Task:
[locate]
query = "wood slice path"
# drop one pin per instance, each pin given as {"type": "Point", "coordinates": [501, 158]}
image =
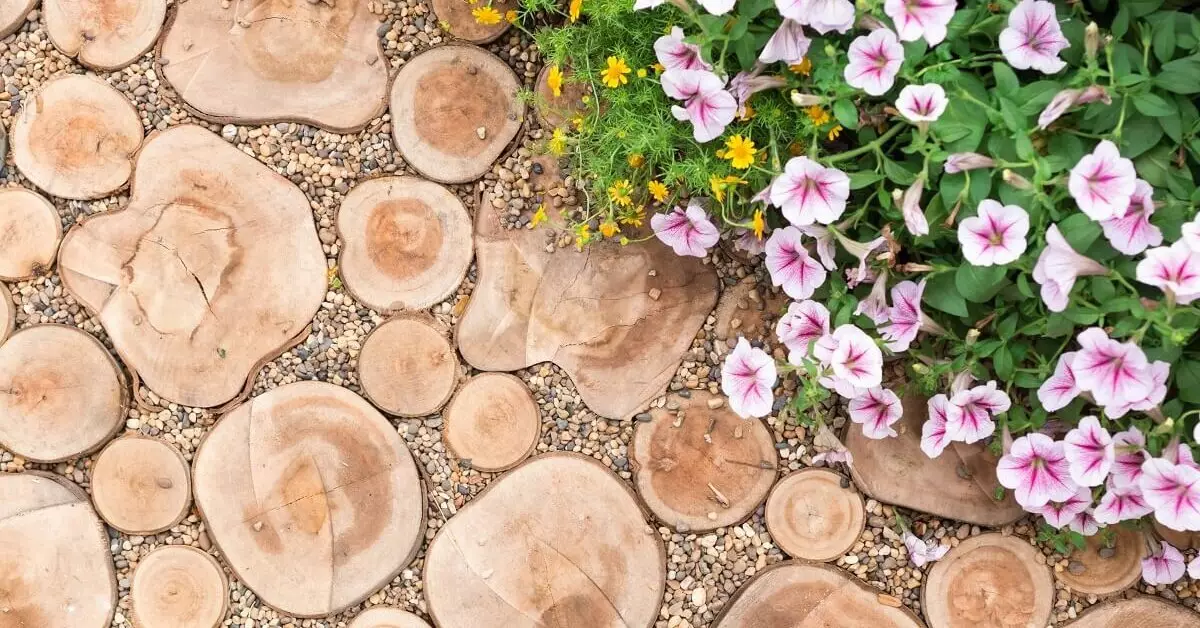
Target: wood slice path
{"type": "Point", "coordinates": [141, 485]}
{"type": "Point", "coordinates": [8, 314]}
{"type": "Point", "coordinates": [13, 14]}
{"type": "Point", "coordinates": [177, 586]}
{"type": "Point", "coordinates": [989, 581]}
{"type": "Point", "coordinates": [1100, 570]}
{"type": "Point", "coordinates": [812, 516]}
{"type": "Point", "coordinates": [493, 422]}
{"type": "Point", "coordinates": [407, 366]}
{"type": "Point", "coordinates": [461, 23]}
{"type": "Point", "coordinates": [386, 617]}
{"type": "Point", "coordinates": [1142, 611]}
{"type": "Point", "coordinates": [104, 34]}
{"type": "Point", "coordinates": [30, 231]}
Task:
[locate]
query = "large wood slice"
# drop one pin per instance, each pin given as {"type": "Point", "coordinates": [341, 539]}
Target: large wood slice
{"type": "Point", "coordinates": [386, 617]}
{"type": "Point", "coordinates": [558, 542]}
{"type": "Point", "coordinates": [454, 110]}
{"type": "Point", "coordinates": [406, 243]}
{"type": "Point", "coordinates": [456, 17]}
{"type": "Point", "coordinates": [55, 569]}
{"type": "Point", "coordinates": [989, 581]}
{"type": "Point", "coordinates": [178, 586]}
{"type": "Point", "coordinates": [1100, 570]}
{"type": "Point", "coordinates": [557, 111]}
{"type": "Point", "coordinates": [30, 230]}
{"type": "Point", "coordinates": [76, 137]}
{"type": "Point", "coordinates": [13, 14]}
{"type": "Point", "coordinates": [61, 394]}
{"type": "Point", "coordinates": [617, 318]}
{"type": "Point", "coordinates": [492, 421]}
{"type": "Point", "coordinates": [141, 485]}
{"type": "Point", "coordinates": [407, 366]}
{"type": "Point", "coordinates": [896, 471]}
{"type": "Point", "coordinates": [8, 314]}
{"type": "Point", "coordinates": [104, 34]}
{"type": "Point", "coordinates": [258, 61]}
{"type": "Point", "coordinates": [1142, 611]}
{"type": "Point", "coordinates": [212, 268]}
{"type": "Point", "coordinates": [810, 515]}
{"type": "Point", "coordinates": [1180, 539]}
{"type": "Point", "coordinates": [700, 468]}
{"type": "Point", "coordinates": [802, 595]}
{"type": "Point", "coordinates": [311, 496]}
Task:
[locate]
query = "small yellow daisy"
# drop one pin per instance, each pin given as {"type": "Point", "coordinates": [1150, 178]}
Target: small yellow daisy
{"type": "Point", "coordinates": [636, 160]}
{"type": "Point", "coordinates": [817, 115]}
{"type": "Point", "coordinates": [486, 15]}
{"type": "Point", "coordinates": [740, 152]}
{"type": "Point", "coordinates": [634, 216]}
{"type": "Point", "coordinates": [609, 228]}
{"type": "Point", "coordinates": [510, 16]}
{"type": "Point", "coordinates": [583, 235]}
{"type": "Point", "coordinates": [835, 132]}
{"type": "Point", "coordinates": [619, 191]}
{"type": "Point", "coordinates": [720, 184]}
{"type": "Point", "coordinates": [554, 80]}
{"type": "Point", "coordinates": [658, 191]}
{"type": "Point", "coordinates": [558, 142]}
{"type": "Point", "coordinates": [613, 76]}
{"type": "Point", "coordinates": [804, 68]}
{"type": "Point", "coordinates": [641, 72]}
{"type": "Point", "coordinates": [539, 216]}
{"type": "Point", "coordinates": [758, 224]}
{"type": "Point", "coordinates": [574, 9]}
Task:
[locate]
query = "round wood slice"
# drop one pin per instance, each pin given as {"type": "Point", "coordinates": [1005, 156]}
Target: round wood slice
{"type": "Point", "coordinates": [177, 586]}
{"type": "Point", "coordinates": [386, 617]}
{"type": "Point", "coordinates": [55, 568]}
{"type": "Point", "coordinates": [442, 99]}
{"type": "Point", "coordinates": [104, 34]}
{"type": "Point", "coordinates": [1117, 569]}
{"type": "Point", "coordinates": [557, 111]}
{"type": "Point", "coordinates": [141, 485]}
{"type": "Point", "coordinates": [1142, 611]}
{"type": "Point", "coordinates": [30, 231]}
{"type": "Point", "coordinates": [66, 396]}
{"type": "Point", "coordinates": [407, 367]}
{"type": "Point", "coordinates": [76, 138]}
{"type": "Point", "coordinates": [1181, 540]}
{"type": "Point", "coordinates": [558, 542]}
{"type": "Point", "coordinates": [8, 314]}
{"type": "Point", "coordinates": [492, 421]}
{"type": "Point", "coordinates": [988, 581]}
{"type": "Point", "coordinates": [457, 18]}
{"type": "Point", "coordinates": [710, 471]}
{"type": "Point", "coordinates": [406, 243]}
{"type": "Point", "coordinates": [312, 497]}
{"type": "Point", "coordinates": [811, 516]}
{"type": "Point", "coordinates": [13, 14]}
{"type": "Point", "coordinates": [795, 594]}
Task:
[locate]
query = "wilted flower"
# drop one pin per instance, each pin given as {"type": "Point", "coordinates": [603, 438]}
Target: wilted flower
{"type": "Point", "coordinates": [825, 248]}
{"type": "Point", "coordinates": [788, 44]}
{"type": "Point", "coordinates": [1091, 40]}
{"type": "Point", "coordinates": [1174, 269]}
{"type": "Point", "coordinates": [808, 192]}
{"type": "Point", "coordinates": [922, 103]}
{"type": "Point", "coordinates": [1036, 470]}
{"type": "Point", "coordinates": [875, 305]}
{"type": "Point", "coordinates": [1133, 233]}
{"type": "Point", "coordinates": [1173, 491]}
{"type": "Point", "coordinates": [1164, 567]}
{"type": "Point", "coordinates": [790, 265]}
{"type": "Point", "coordinates": [1103, 182]}
{"type": "Point", "coordinates": [1060, 389]}
{"type": "Point", "coordinates": [995, 235]}
{"type": "Point", "coordinates": [1090, 452]}
{"type": "Point", "coordinates": [805, 100]}
{"type": "Point", "coordinates": [822, 15]}
{"type": "Point", "coordinates": [905, 318]}
{"type": "Point", "coordinates": [1067, 98]}
{"type": "Point", "coordinates": [874, 61]}
{"type": "Point", "coordinates": [1034, 38]}
{"type": "Point", "coordinates": [910, 207]}
{"type": "Point", "coordinates": [860, 250]}
{"type": "Point", "coordinates": [747, 377]}
{"type": "Point", "coordinates": [876, 410]}
{"type": "Point", "coordinates": [915, 19]}
{"type": "Point", "coordinates": [1057, 268]}
{"type": "Point", "coordinates": [688, 232]}
{"type": "Point", "coordinates": [746, 84]}
{"type": "Point", "coordinates": [676, 54]}
{"type": "Point", "coordinates": [920, 552]}
{"type": "Point", "coordinates": [961, 162]}
{"type": "Point", "coordinates": [804, 323]}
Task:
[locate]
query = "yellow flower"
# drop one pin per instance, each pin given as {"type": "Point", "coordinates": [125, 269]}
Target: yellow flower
{"type": "Point", "coordinates": [577, 121]}
{"type": "Point", "coordinates": [740, 152]}
{"type": "Point", "coordinates": [634, 216]}
{"type": "Point", "coordinates": [758, 224]}
{"type": "Point", "coordinates": [573, 10]}
{"type": "Point", "coordinates": [658, 191]}
{"type": "Point", "coordinates": [558, 142]}
{"type": "Point", "coordinates": [583, 235]}
{"type": "Point", "coordinates": [486, 15]}
{"type": "Point", "coordinates": [619, 191]}
{"type": "Point", "coordinates": [641, 72]}
{"type": "Point", "coordinates": [510, 16]}
{"type": "Point", "coordinates": [720, 184]}
{"type": "Point", "coordinates": [636, 160]}
{"type": "Point", "coordinates": [818, 115]}
{"type": "Point", "coordinates": [659, 68]}
{"type": "Point", "coordinates": [747, 112]}
{"type": "Point", "coordinates": [835, 132]}
{"type": "Point", "coordinates": [539, 216]}
{"type": "Point", "coordinates": [614, 75]}
{"type": "Point", "coordinates": [554, 81]}
{"type": "Point", "coordinates": [609, 228]}
{"type": "Point", "coordinates": [803, 68]}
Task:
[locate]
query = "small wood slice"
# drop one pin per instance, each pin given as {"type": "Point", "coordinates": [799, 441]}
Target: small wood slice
{"type": "Point", "coordinates": [407, 367]}
{"type": "Point", "coordinates": [13, 14]}
{"type": "Point", "coordinates": [443, 100]}
{"type": "Point", "coordinates": [178, 587]}
{"type": "Point", "coordinates": [104, 34]}
{"type": "Point", "coordinates": [55, 567]}
{"type": "Point", "coordinates": [386, 617]}
{"type": "Point", "coordinates": [30, 231]}
{"type": "Point", "coordinates": [557, 111]}
{"type": "Point", "coordinates": [8, 314]}
{"type": "Point", "coordinates": [1117, 569]}
{"type": "Point", "coordinates": [66, 396]}
{"type": "Point", "coordinates": [492, 421]}
{"type": "Point", "coordinates": [76, 138]}
{"type": "Point", "coordinates": [988, 581]}
{"type": "Point", "coordinates": [141, 485]}
{"type": "Point", "coordinates": [457, 17]}
{"type": "Point", "coordinates": [709, 471]}
{"type": "Point", "coordinates": [811, 516]}
{"type": "Point", "coordinates": [1142, 611]}
{"type": "Point", "coordinates": [1181, 540]}
{"type": "Point", "coordinates": [406, 243]}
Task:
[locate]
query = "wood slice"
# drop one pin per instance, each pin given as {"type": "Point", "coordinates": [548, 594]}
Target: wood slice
{"type": "Point", "coordinates": [803, 595]}
{"type": "Point", "coordinates": [457, 19]}
{"type": "Point", "coordinates": [710, 471]}
{"type": "Point", "coordinates": [76, 137]}
{"type": "Point", "coordinates": [141, 485]}
{"type": "Point", "coordinates": [407, 367]}
{"type": "Point", "coordinates": [988, 581]}
{"type": "Point", "coordinates": [896, 471]}
{"type": "Point", "coordinates": [212, 268]}
{"type": "Point", "coordinates": [406, 243]}
{"type": "Point", "coordinates": [1117, 569]}
{"type": "Point", "coordinates": [177, 586]}
{"type": "Point", "coordinates": [558, 542]}
{"type": "Point", "coordinates": [810, 515]}
{"type": "Point", "coordinates": [8, 314]}
{"type": "Point", "coordinates": [618, 329]}
{"type": "Point", "coordinates": [492, 421]}
{"type": "Point", "coordinates": [442, 98]}
{"type": "Point", "coordinates": [557, 111]}
{"type": "Point", "coordinates": [13, 14]}
{"type": "Point", "coordinates": [318, 63]}
{"type": "Point", "coordinates": [311, 496]}
{"type": "Point", "coordinates": [1181, 540]}
{"type": "Point", "coordinates": [104, 34]}
{"type": "Point", "coordinates": [1142, 611]}
{"type": "Point", "coordinates": [386, 617]}
{"type": "Point", "coordinates": [30, 231]}
{"type": "Point", "coordinates": [66, 396]}
{"type": "Point", "coordinates": [55, 568]}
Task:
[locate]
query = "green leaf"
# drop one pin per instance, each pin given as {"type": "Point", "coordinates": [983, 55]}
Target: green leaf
{"type": "Point", "coordinates": [1011, 113]}
{"type": "Point", "coordinates": [1187, 380]}
{"type": "Point", "coordinates": [1163, 43]}
{"type": "Point", "coordinates": [860, 180]}
{"type": "Point", "coordinates": [897, 173]}
{"type": "Point", "coordinates": [979, 283]}
{"type": "Point", "coordinates": [1139, 135]}
{"type": "Point", "coordinates": [1181, 76]}
{"type": "Point", "coordinates": [941, 294]}
{"type": "Point", "coordinates": [1155, 165]}
{"type": "Point", "coordinates": [1120, 24]}
{"type": "Point", "coordinates": [1153, 105]}
{"type": "Point", "coordinates": [1079, 230]}
{"type": "Point", "coordinates": [1002, 361]}
{"type": "Point", "coordinates": [1103, 289]}
{"type": "Point", "coordinates": [846, 113]}
{"type": "Point", "coordinates": [1006, 80]}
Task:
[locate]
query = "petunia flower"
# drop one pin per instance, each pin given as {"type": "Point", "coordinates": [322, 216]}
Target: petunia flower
{"type": "Point", "coordinates": [790, 265]}
{"type": "Point", "coordinates": [676, 54]}
{"type": "Point", "coordinates": [1068, 98]}
{"type": "Point", "coordinates": [1164, 567]}
{"type": "Point", "coordinates": [808, 192]}
{"type": "Point", "coordinates": [687, 84]}
{"type": "Point", "coordinates": [915, 19]}
{"type": "Point", "coordinates": [804, 323]}
{"type": "Point", "coordinates": [788, 44]}
{"type": "Point", "coordinates": [876, 410]}
{"type": "Point", "coordinates": [822, 15]}
{"type": "Point", "coordinates": [832, 456]}
{"type": "Point", "coordinates": [1103, 182]}
{"type": "Point", "coordinates": [1180, 453]}
{"type": "Point", "coordinates": [1057, 268]}
{"type": "Point", "coordinates": [1133, 233]}
{"type": "Point", "coordinates": [1159, 372]}
{"type": "Point", "coordinates": [1060, 389]}
{"type": "Point", "coordinates": [910, 208]}
{"type": "Point", "coordinates": [962, 162]}
{"type": "Point", "coordinates": [905, 318]}
{"type": "Point", "coordinates": [861, 251]}
{"type": "Point", "coordinates": [875, 305]}
{"type": "Point", "coordinates": [1059, 514]}
{"type": "Point", "coordinates": [1193, 569]}
{"type": "Point", "coordinates": [995, 236]}
{"type": "Point", "coordinates": [1085, 523]}
{"type": "Point", "coordinates": [1036, 470]}
{"type": "Point", "coordinates": [638, 5]}
{"type": "Point", "coordinates": [922, 103]}
{"type": "Point", "coordinates": [1174, 269]}
{"type": "Point", "coordinates": [718, 7]}
{"type": "Point", "coordinates": [1034, 38]}
{"type": "Point", "coordinates": [688, 232]}
{"type": "Point", "coordinates": [874, 61]}
{"type": "Point", "coordinates": [1121, 503]}
{"type": "Point", "coordinates": [747, 378]}
{"type": "Point", "coordinates": [746, 84]}
{"type": "Point", "coordinates": [970, 413]}
{"type": "Point", "coordinates": [709, 113]}
{"type": "Point", "coordinates": [1191, 234]}
{"type": "Point", "coordinates": [1114, 372]}
{"type": "Point", "coordinates": [934, 435]}
{"type": "Point", "coordinates": [749, 243]}
{"type": "Point", "coordinates": [1090, 452]}
{"type": "Point", "coordinates": [825, 248]}
{"type": "Point", "coordinates": [1173, 491]}
{"type": "Point", "coordinates": [1130, 447]}
{"type": "Point", "coordinates": [856, 359]}
{"type": "Point", "coordinates": [921, 552]}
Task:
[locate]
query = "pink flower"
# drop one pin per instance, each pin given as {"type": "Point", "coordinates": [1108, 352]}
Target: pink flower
{"type": "Point", "coordinates": [718, 7]}
{"type": "Point", "coordinates": [1193, 569]}
{"type": "Point", "coordinates": [803, 324]}
{"type": "Point", "coordinates": [747, 377]}
{"type": "Point", "coordinates": [934, 437]}
{"type": "Point", "coordinates": [922, 103]}
{"type": "Point", "coordinates": [1068, 98]}
{"type": "Point", "coordinates": [1173, 491]}
{"type": "Point", "coordinates": [822, 15]}
{"type": "Point", "coordinates": [1132, 233]}
{"type": "Point", "coordinates": [808, 192]}
{"type": "Point", "coordinates": [1165, 567]}
{"type": "Point", "coordinates": [1175, 269]}
{"type": "Point", "coordinates": [1060, 514]}
{"type": "Point", "coordinates": [825, 249]}
{"type": "Point", "coordinates": [876, 410]}
{"type": "Point", "coordinates": [1060, 389]}
{"type": "Point", "coordinates": [687, 84]}
{"type": "Point", "coordinates": [860, 250]}
{"type": "Point", "coordinates": [1034, 38]}
{"type": "Point", "coordinates": [1112, 371]}
{"type": "Point", "coordinates": [746, 84]}
{"type": "Point", "coordinates": [676, 54]}
{"type": "Point", "coordinates": [905, 316]}
{"type": "Point", "coordinates": [995, 236]}
{"type": "Point", "coordinates": [969, 415]}
{"type": "Point", "coordinates": [875, 306]}
{"type": "Point", "coordinates": [1036, 469]}
{"type": "Point", "coordinates": [1121, 503]}
{"type": "Point", "coordinates": [832, 456]}
{"type": "Point", "coordinates": [790, 265]}
{"type": "Point", "coordinates": [1191, 234]}
{"type": "Point", "coordinates": [638, 5]}
{"type": "Point", "coordinates": [922, 552]}
{"type": "Point", "coordinates": [1103, 182]}
{"type": "Point", "coordinates": [1085, 523]}
{"type": "Point", "coordinates": [910, 207]}
{"type": "Point", "coordinates": [961, 162]}
{"type": "Point", "coordinates": [874, 61]}
{"type": "Point", "coordinates": [921, 18]}
{"type": "Point", "coordinates": [687, 232]}
{"type": "Point", "coordinates": [1090, 452]}
{"type": "Point", "coordinates": [709, 112]}
{"type": "Point", "coordinates": [749, 243]}
{"type": "Point", "coordinates": [788, 44]}
{"type": "Point", "coordinates": [1159, 373]}
{"type": "Point", "coordinates": [1057, 268]}
{"type": "Point", "coordinates": [856, 359]}
{"type": "Point", "coordinates": [1130, 447]}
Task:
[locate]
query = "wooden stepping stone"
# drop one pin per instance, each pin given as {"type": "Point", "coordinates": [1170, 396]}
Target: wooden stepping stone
{"type": "Point", "coordinates": [702, 468]}
{"type": "Point", "coordinates": [896, 471]}
{"type": "Point", "coordinates": [312, 497]}
{"type": "Point", "coordinates": [141, 485]}
{"type": "Point", "coordinates": [104, 34]}
{"type": "Point", "coordinates": [385, 617]}
{"type": "Point", "coordinates": [66, 396]}
{"type": "Point", "coordinates": [8, 314]}
{"type": "Point", "coordinates": [618, 319]}
{"type": "Point", "coordinates": [811, 516]}
{"type": "Point", "coordinates": [13, 14]}
{"type": "Point", "coordinates": [55, 568]}
{"type": "Point", "coordinates": [1142, 611]}
{"type": "Point", "coordinates": [211, 269]}
{"type": "Point", "coordinates": [30, 231]}
{"type": "Point", "coordinates": [406, 243]}
{"type": "Point", "coordinates": [1106, 570]}
{"type": "Point", "coordinates": [177, 586]}
{"type": "Point", "coordinates": [457, 19]}
{"type": "Point", "coordinates": [492, 421]}
{"type": "Point", "coordinates": [454, 110]}
{"type": "Point", "coordinates": [1181, 540]}
{"type": "Point", "coordinates": [76, 138]}
{"type": "Point", "coordinates": [407, 366]}
{"type": "Point", "coordinates": [318, 63]}
{"type": "Point", "coordinates": [557, 111]}
{"type": "Point", "coordinates": [558, 542]}
{"type": "Point", "coordinates": [799, 594]}
{"type": "Point", "coordinates": [988, 581]}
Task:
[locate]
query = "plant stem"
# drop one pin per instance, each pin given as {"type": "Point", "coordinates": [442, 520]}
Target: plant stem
{"type": "Point", "coordinates": [866, 148]}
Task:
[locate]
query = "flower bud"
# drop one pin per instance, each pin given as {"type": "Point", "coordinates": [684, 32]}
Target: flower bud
{"type": "Point", "coordinates": [972, 336]}
{"type": "Point", "coordinates": [805, 100]}
{"type": "Point", "coordinates": [1016, 180]}
{"type": "Point", "coordinates": [961, 162]}
{"type": "Point", "coordinates": [1091, 41]}
{"type": "Point", "coordinates": [914, 217]}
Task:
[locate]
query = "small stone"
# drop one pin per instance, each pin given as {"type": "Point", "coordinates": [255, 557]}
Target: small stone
{"type": "Point", "coordinates": [888, 600]}
{"type": "Point", "coordinates": [1107, 552]}
{"type": "Point", "coordinates": [164, 483]}
{"type": "Point", "coordinates": [1076, 567]}
{"type": "Point", "coordinates": [481, 132]}
{"type": "Point", "coordinates": [715, 402]}
{"type": "Point", "coordinates": [654, 294]}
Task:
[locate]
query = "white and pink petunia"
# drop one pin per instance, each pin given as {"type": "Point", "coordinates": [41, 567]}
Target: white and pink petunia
{"type": "Point", "coordinates": [1103, 182]}
{"type": "Point", "coordinates": [808, 192]}
{"type": "Point", "coordinates": [718, 7]}
{"type": "Point", "coordinates": [1164, 567]}
{"type": "Point", "coordinates": [825, 248]}
{"type": "Point", "coordinates": [822, 15]}
{"type": "Point", "coordinates": [1130, 446]}
{"type": "Point", "coordinates": [934, 436]}
{"type": "Point", "coordinates": [1060, 514]}
{"type": "Point", "coordinates": [862, 251]}
{"type": "Point", "coordinates": [709, 111]}
{"type": "Point", "coordinates": [687, 84]}
{"type": "Point", "coordinates": [1085, 523]}
{"type": "Point", "coordinates": [910, 208]}
{"type": "Point", "coordinates": [674, 53]}
{"type": "Point", "coordinates": [875, 305]}
{"type": "Point", "coordinates": [1174, 269]}
{"type": "Point", "coordinates": [747, 378]}
{"type": "Point", "coordinates": [746, 84]}
{"type": "Point", "coordinates": [995, 236]}
{"type": "Point", "coordinates": [1160, 371]}
{"type": "Point", "coordinates": [876, 410]}
{"type": "Point", "coordinates": [874, 61]}
{"type": "Point", "coordinates": [1060, 390]}
{"type": "Point", "coordinates": [1057, 268]}
{"type": "Point", "coordinates": [1067, 98]}
{"type": "Point", "coordinates": [1036, 470]}
{"type": "Point", "coordinates": [1193, 569]}
{"type": "Point", "coordinates": [687, 232]}
{"type": "Point", "coordinates": [922, 103]}
{"type": "Point", "coordinates": [1133, 233]}
{"type": "Point", "coordinates": [915, 19]}
{"type": "Point", "coordinates": [970, 413]}
{"type": "Point", "coordinates": [921, 552]}
{"type": "Point", "coordinates": [1191, 234]}
{"type": "Point", "coordinates": [962, 162]}
{"type": "Point", "coordinates": [905, 318]}
{"type": "Point", "coordinates": [638, 5]}
{"type": "Point", "coordinates": [1173, 491]}
{"type": "Point", "coordinates": [1114, 372]}
{"type": "Point", "coordinates": [790, 265]}
{"type": "Point", "coordinates": [856, 360]}
{"type": "Point", "coordinates": [1034, 38]}
{"type": "Point", "coordinates": [804, 323]}
{"type": "Point", "coordinates": [1121, 503]}
{"type": "Point", "coordinates": [1090, 452]}
{"type": "Point", "coordinates": [788, 44]}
